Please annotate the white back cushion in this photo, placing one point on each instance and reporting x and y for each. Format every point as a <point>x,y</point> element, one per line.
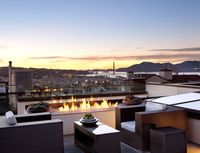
<point>150,106</point>
<point>129,125</point>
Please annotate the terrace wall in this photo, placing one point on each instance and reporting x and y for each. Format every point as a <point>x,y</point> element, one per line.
<point>157,89</point>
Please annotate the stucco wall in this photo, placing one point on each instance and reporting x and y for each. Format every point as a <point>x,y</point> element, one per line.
<point>156,89</point>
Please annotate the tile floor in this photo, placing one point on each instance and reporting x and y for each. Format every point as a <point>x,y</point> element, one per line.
<point>69,147</point>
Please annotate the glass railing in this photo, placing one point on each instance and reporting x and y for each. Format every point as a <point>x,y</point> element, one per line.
<point>84,91</point>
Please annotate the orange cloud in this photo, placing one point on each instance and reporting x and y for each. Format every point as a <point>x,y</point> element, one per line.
<point>179,49</point>
<point>103,58</point>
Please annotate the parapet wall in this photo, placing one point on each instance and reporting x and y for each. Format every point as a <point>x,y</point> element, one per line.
<point>157,89</point>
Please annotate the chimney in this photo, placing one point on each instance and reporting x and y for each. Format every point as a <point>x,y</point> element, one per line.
<point>113,67</point>
<point>10,73</point>
<point>12,97</point>
<point>130,75</point>
<point>166,73</point>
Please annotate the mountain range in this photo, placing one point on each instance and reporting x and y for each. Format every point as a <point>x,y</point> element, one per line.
<point>187,66</point>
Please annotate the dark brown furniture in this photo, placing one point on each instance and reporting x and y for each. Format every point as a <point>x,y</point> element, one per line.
<point>168,140</point>
<point>33,117</point>
<point>97,139</point>
<point>144,121</point>
<point>32,136</point>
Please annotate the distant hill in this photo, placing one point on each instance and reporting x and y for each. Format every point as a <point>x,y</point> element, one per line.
<point>190,66</point>
<point>187,66</point>
<point>39,72</point>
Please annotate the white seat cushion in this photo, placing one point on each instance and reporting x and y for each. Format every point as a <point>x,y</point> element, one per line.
<point>130,125</point>
<point>10,118</point>
<point>150,106</point>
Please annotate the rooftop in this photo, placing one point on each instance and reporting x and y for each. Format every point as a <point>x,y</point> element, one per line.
<point>69,147</point>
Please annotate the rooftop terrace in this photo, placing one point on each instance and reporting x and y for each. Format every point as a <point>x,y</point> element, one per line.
<point>69,147</point>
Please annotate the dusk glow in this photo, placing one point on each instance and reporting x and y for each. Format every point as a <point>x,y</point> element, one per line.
<point>91,34</point>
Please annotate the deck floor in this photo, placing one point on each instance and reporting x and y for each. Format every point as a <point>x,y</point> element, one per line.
<point>69,147</point>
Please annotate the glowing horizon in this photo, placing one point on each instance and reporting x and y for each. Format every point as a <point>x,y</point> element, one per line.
<point>92,34</point>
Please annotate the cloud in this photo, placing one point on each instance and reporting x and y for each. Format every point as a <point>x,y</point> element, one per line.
<point>4,47</point>
<point>175,56</point>
<point>48,57</point>
<point>103,58</point>
<point>179,49</point>
<point>86,58</point>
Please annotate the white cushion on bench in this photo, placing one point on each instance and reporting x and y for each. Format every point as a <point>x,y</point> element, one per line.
<point>130,125</point>
<point>150,106</point>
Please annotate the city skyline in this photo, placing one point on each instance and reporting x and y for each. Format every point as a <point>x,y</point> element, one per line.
<point>89,34</point>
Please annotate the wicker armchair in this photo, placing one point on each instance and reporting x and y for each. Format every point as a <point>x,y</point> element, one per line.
<point>137,135</point>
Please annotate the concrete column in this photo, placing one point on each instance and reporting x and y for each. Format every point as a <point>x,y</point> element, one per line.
<point>12,88</point>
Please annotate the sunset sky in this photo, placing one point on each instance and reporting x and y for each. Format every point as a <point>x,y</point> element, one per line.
<point>91,34</point>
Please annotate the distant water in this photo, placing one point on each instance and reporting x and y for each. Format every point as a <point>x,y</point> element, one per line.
<point>124,74</point>
<point>109,74</point>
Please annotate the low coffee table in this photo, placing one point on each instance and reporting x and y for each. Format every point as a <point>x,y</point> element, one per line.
<point>99,138</point>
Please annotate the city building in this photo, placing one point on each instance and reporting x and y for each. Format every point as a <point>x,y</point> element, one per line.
<point>23,80</point>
